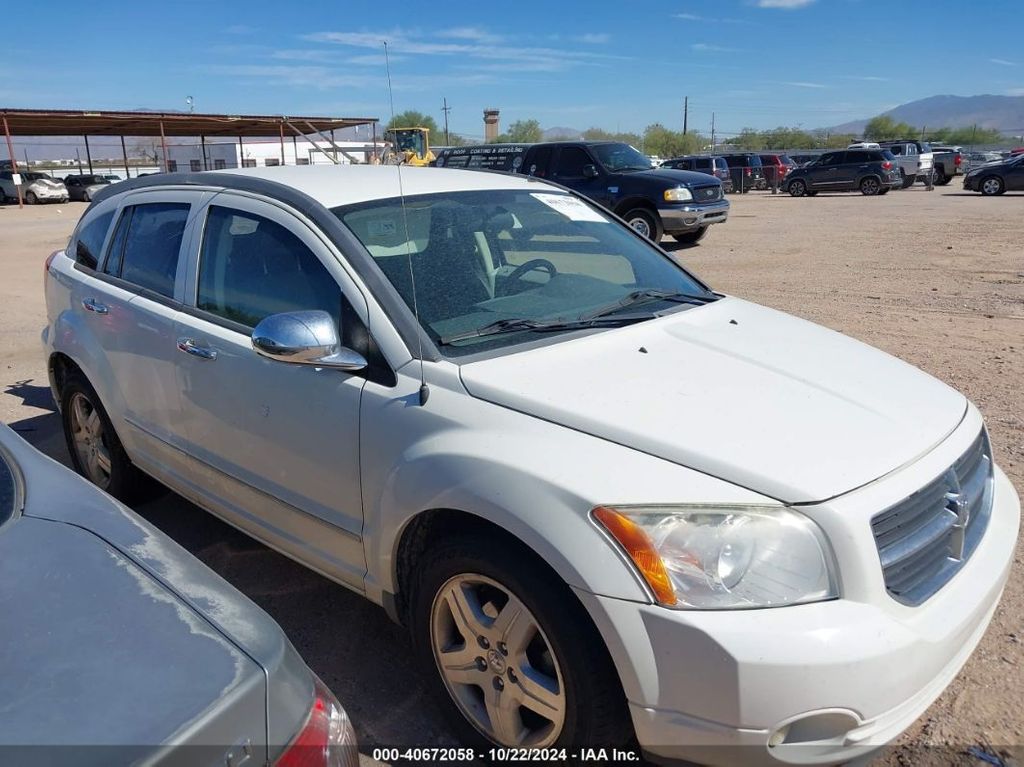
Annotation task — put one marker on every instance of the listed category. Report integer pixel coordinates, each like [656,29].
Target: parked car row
[37,187]
[610,504]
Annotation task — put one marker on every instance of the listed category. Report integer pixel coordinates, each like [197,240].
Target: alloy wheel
[496,662]
[991,185]
[641,226]
[89,441]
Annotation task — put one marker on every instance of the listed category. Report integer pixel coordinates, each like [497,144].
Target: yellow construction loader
[408,146]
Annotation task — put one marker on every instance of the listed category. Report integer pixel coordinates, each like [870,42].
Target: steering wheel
[532,265]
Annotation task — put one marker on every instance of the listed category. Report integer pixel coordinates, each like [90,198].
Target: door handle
[189,346]
[92,305]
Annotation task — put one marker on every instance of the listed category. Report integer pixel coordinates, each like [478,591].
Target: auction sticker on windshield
[570,207]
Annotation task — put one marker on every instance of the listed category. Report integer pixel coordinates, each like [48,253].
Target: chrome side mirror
[304,338]
[590,171]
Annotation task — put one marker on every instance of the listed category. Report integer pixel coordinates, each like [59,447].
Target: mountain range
[1003,113]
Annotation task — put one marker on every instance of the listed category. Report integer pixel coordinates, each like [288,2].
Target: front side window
[621,157]
[152,246]
[570,163]
[90,240]
[251,267]
[465,260]
[833,158]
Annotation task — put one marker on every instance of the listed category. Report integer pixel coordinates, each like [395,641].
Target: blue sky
[616,65]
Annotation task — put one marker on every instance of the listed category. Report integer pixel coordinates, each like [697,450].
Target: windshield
[616,157]
[485,257]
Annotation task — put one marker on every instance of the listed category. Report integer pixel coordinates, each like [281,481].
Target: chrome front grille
[925,539]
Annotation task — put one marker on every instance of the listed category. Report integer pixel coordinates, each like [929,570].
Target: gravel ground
[936,279]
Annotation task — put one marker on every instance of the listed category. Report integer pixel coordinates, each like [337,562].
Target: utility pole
[712,131]
[686,113]
[446,109]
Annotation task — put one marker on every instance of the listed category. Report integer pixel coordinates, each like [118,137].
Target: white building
[261,152]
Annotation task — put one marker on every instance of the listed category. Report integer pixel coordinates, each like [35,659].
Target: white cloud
[802,84]
[1004,62]
[866,78]
[687,16]
[1015,92]
[708,48]
[786,4]
[593,38]
[476,34]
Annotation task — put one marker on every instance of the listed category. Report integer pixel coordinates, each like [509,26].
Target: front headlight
[724,557]
[678,194]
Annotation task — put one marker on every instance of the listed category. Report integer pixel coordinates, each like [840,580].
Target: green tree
[521,132]
[414,119]
[599,134]
[749,138]
[659,140]
[883,128]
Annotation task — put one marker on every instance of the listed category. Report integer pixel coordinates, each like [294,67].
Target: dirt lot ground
[934,278]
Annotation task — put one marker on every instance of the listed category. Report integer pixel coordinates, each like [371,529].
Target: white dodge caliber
[608,501]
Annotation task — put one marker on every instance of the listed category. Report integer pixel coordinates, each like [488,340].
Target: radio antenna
[424,389]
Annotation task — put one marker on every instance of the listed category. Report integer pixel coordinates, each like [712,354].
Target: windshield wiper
[519,324]
[648,296]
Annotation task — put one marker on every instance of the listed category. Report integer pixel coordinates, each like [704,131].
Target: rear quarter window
[89,243]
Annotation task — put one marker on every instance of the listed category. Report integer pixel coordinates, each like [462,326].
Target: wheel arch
[635,201]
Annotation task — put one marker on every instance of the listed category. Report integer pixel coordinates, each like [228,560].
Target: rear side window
[251,267]
[90,240]
[539,160]
[152,245]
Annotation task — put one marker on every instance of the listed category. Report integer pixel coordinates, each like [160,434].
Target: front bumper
[972,182]
[846,676]
[688,217]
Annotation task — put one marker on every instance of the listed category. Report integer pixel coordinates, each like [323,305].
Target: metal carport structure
[65,122]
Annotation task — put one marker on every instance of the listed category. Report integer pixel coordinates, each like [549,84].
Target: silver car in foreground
[121,648]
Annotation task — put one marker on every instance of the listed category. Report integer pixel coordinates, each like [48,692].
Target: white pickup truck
[915,158]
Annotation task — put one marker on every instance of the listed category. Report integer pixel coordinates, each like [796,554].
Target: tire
[945,180]
[86,197]
[908,181]
[797,188]
[883,190]
[691,238]
[96,452]
[645,222]
[869,186]
[566,657]
[30,198]
[991,186]
[939,178]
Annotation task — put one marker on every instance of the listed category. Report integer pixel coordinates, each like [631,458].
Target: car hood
[47,183]
[674,177]
[747,394]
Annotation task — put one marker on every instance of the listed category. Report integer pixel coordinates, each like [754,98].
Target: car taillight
[749,171]
[326,739]
[886,165]
[957,159]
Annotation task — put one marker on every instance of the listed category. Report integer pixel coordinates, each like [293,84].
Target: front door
[276,444]
[569,167]
[1015,176]
[824,174]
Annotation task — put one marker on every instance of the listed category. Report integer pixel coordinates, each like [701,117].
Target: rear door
[128,304]
[853,161]
[276,445]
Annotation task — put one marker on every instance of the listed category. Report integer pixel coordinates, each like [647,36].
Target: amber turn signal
[641,550]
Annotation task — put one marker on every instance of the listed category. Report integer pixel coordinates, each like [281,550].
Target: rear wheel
[908,181]
[870,186]
[991,185]
[96,452]
[939,178]
[645,222]
[797,188]
[516,659]
[691,238]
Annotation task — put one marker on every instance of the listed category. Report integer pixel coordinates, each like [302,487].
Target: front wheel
[516,659]
[690,238]
[645,222]
[870,186]
[30,198]
[86,197]
[797,188]
[991,185]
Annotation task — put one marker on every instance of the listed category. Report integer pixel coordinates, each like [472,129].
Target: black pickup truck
[679,203]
